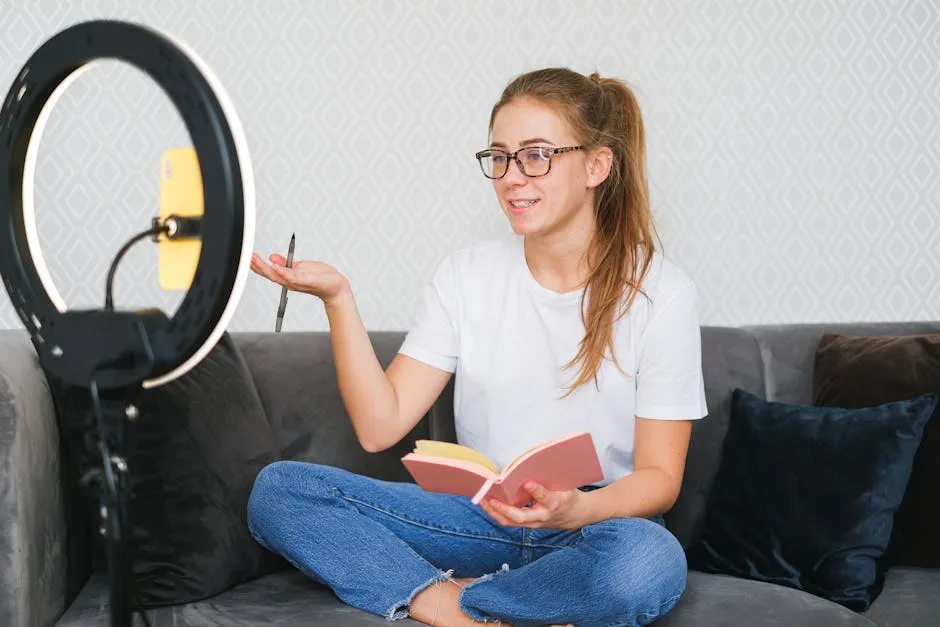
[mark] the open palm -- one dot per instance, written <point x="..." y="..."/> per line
<point x="311" y="277"/>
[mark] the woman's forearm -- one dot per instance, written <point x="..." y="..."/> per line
<point x="367" y="393"/>
<point x="643" y="493"/>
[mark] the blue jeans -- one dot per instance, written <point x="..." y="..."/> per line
<point x="376" y="544"/>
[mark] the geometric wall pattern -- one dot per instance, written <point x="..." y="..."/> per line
<point x="793" y="146"/>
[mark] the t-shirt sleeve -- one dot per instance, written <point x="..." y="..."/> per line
<point x="670" y="382"/>
<point x="432" y="337"/>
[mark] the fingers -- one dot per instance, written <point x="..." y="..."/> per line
<point x="510" y="516"/>
<point x="277" y="259"/>
<point x="284" y="273"/>
<point x="493" y="508"/>
<point x="538" y="492"/>
<point x="538" y="514"/>
<point x="272" y="273"/>
<point x="258" y="264"/>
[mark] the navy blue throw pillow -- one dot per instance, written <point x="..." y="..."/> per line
<point x="805" y="496"/>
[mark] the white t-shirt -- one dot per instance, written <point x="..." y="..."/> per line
<point x="506" y="337"/>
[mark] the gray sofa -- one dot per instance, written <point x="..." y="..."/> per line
<point x="44" y="580"/>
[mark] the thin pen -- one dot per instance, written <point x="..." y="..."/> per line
<point x="283" y="304"/>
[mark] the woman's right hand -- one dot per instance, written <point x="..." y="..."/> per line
<point x="310" y="277"/>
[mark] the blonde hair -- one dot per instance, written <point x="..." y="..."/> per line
<point x="602" y="112"/>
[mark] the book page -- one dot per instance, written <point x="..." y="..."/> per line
<point x="454" y="451"/>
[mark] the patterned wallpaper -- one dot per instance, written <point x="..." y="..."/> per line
<point x="793" y="145"/>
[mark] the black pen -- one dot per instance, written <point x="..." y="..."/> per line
<point x="283" y="304"/>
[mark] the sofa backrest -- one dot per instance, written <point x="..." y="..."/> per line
<point x="788" y="351"/>
<point x="772" y="361"/>
<point x="296" y="380"/>
<point x="731" y="358"/>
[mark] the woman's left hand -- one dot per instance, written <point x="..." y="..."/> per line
<point x="551" y="509"/>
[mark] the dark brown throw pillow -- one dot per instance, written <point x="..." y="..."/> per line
<point x="861" y="371"/>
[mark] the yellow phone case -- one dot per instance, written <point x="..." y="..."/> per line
<point x="181" y="193"/>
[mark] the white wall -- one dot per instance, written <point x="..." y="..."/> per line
<point x="793" y="144"/>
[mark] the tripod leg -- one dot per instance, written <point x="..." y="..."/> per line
<point x="114" y="441"/>
<point x="114" y="508"/>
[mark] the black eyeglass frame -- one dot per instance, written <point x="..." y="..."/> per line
<point x="552" y="151"/>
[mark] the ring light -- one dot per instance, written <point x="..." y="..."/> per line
<point x="116" y="353"/>
<point x="227" y="230"/>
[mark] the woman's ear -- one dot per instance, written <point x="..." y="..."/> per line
<point x="599" y="161"/>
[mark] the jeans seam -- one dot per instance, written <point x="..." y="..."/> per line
<point x="400" y="609"/>
<point x="453" y="532"/>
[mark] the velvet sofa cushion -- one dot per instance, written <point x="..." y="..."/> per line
<point x="200" y="442"/>
<point x="860" y="371"/>
<point x="805" y="496"/>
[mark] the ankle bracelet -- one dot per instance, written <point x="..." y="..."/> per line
<point x="437" y="609"/>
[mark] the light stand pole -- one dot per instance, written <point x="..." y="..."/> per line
<point x="115" y="354"/>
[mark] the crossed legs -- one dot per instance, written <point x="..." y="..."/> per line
<point x="395" y="550"/>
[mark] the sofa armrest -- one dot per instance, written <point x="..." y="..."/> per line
<point x="35" y="569"/>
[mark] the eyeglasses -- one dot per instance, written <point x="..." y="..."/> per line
<point x="532" y="160"/>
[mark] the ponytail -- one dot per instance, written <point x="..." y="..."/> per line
<point x="603" y="112"/>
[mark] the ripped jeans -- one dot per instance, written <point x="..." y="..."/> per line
<point x="376" y="544"/>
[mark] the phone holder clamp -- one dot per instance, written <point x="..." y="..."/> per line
<point x="177" y="227"/>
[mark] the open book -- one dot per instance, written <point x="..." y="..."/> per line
<point x="563" y="463"/>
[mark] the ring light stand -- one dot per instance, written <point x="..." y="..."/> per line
<point x="116" y="353"/>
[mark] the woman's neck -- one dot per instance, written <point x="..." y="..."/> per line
<point x="560" y="261"/>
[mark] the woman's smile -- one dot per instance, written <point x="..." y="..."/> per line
<point x="521" y="206"/>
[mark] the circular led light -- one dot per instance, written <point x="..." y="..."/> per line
<point x="227" y="231"/>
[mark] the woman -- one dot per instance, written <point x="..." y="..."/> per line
<point x="573" y="322"/>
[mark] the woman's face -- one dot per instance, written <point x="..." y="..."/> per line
<point x="546" y="205"/>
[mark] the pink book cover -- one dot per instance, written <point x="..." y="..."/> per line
<point x="564" y="463"/>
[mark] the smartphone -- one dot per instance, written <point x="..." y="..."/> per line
<point x="181" y="193"/>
